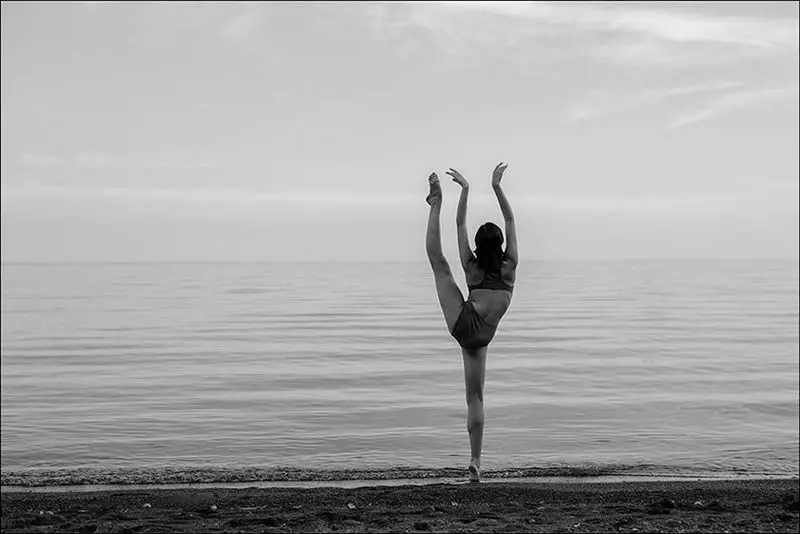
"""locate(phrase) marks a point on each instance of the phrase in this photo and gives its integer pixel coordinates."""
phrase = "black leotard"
(471, 330)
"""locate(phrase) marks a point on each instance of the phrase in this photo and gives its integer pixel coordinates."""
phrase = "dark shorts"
(471, 330)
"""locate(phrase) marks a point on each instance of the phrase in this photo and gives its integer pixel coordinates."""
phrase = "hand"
(457, 178)
(497, 175)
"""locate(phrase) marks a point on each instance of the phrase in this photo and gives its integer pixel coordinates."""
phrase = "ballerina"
(490, 273)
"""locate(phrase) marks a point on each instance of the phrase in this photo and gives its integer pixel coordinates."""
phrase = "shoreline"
(384, 482)
(171, 475)
(754, 505)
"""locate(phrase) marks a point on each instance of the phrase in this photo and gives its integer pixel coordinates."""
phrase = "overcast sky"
(300, 131)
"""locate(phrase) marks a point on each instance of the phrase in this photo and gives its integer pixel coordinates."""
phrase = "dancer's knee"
(475, 398)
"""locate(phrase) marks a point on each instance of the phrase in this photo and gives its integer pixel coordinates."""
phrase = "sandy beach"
(683, 506)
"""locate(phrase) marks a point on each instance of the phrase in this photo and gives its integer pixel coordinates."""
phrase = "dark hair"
(489, 247)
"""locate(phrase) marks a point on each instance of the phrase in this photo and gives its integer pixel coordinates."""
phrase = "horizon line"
(283, 262)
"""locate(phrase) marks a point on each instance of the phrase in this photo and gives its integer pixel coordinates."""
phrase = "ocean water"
(683, 365)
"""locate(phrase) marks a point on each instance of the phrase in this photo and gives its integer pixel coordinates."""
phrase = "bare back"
(491, 304)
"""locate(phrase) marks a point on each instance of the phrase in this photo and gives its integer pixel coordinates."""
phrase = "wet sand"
(661, 506)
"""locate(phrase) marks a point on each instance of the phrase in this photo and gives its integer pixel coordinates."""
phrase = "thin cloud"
(731, 102)
(601, 103)
(101, 160)
(41, 161)
(633, 51)
(95, 160)
(653, 23)
(669, 203)
(674, 202)
(613, 33)
(211, 195)
(747, 31)
(231, 22)
(241, 198)
(185, 160)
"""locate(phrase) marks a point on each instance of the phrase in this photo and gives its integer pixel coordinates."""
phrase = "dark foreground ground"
(687, 506)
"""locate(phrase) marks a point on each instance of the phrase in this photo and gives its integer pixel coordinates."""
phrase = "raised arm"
(464, 251)
(508, 215)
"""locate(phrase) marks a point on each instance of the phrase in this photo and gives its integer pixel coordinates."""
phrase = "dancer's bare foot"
(435, 195)
(474, 470)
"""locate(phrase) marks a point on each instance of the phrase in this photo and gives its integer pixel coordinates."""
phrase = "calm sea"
(685, 365)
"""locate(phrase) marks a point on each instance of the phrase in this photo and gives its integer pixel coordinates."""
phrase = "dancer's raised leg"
(450, 296)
